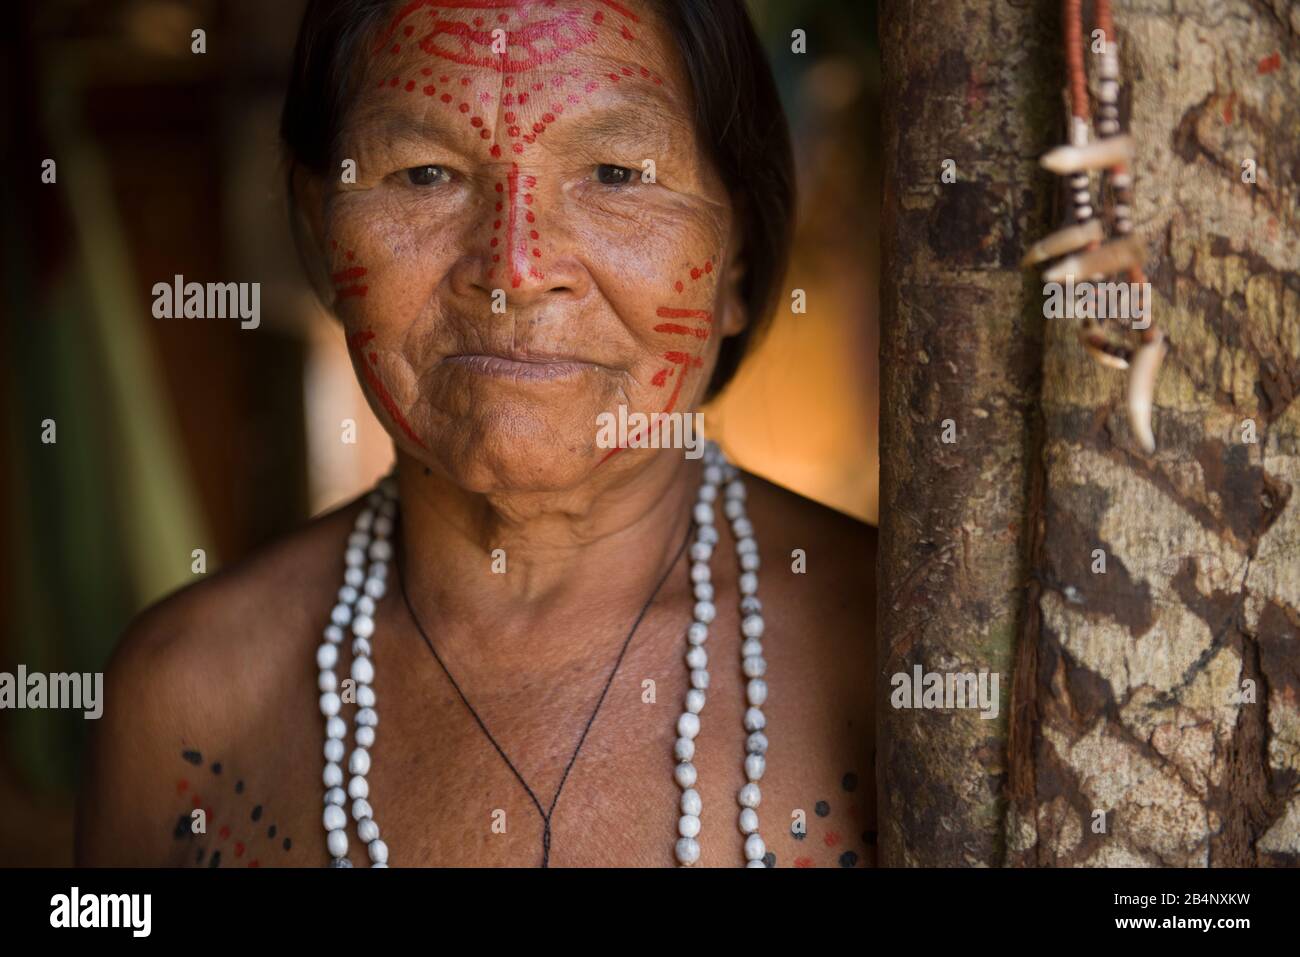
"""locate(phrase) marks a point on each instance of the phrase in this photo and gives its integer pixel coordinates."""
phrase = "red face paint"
(668, 312)
(355, 343)
(345, 280)
(536, 35)
(685, 360)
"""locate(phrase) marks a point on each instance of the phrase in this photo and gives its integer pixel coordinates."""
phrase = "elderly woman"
(532, 216)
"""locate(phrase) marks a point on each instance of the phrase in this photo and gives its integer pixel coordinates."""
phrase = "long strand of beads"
(697, 660)
(718, 471)
(752, 664)
(356, 608)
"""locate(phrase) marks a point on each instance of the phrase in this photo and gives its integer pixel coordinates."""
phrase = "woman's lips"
(530, 369)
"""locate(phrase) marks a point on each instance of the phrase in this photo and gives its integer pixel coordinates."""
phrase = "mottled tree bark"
(1154, 712)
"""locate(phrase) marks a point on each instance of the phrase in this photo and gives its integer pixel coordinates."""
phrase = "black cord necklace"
(545, 814)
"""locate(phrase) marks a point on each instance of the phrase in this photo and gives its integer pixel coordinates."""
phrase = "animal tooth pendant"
(1089, 254)
(1120, 255)
(1068, 240)
(1143, 370)
(1097, 155)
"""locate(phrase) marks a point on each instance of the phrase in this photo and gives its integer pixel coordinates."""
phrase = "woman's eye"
(608, 175)
(426, 175)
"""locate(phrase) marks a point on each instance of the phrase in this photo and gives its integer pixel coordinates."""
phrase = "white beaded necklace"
(370, 539)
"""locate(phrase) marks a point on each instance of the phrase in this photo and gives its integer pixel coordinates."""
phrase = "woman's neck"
(506, 564)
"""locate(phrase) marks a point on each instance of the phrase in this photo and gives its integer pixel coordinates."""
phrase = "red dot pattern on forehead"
(536, 33)
(461, 32)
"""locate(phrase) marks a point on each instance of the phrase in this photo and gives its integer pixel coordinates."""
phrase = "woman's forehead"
(526, 49)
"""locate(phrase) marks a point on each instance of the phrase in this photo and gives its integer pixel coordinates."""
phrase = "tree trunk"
(1150, 711)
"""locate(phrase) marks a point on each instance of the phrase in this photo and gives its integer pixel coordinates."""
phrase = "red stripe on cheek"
(675, 329)
(667, 312)
(355, 343)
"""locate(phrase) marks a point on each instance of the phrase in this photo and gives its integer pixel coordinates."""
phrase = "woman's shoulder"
(832, 550)
(231, 610)
(206, 664)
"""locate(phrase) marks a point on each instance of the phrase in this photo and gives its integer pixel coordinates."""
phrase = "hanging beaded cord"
(1081, 242)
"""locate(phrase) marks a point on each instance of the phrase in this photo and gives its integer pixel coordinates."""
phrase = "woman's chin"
(522, 453)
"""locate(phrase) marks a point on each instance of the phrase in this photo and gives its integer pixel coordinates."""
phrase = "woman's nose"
(529, 252)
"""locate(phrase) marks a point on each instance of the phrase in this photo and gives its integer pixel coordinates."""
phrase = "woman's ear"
(309, 227)
(734, 317)
(308, 200)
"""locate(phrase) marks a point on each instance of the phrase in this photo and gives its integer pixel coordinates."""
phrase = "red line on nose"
(516, 264)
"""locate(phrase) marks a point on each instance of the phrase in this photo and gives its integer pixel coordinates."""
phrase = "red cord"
(1073, 14)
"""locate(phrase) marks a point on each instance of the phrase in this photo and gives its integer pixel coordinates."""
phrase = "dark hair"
(738, 118)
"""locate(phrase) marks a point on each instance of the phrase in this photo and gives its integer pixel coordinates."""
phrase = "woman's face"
(508, 265)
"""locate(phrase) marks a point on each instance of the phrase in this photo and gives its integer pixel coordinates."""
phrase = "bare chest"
(571, 766)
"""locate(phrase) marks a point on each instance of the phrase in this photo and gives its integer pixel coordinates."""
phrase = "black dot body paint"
(193, 757)
(822, 809)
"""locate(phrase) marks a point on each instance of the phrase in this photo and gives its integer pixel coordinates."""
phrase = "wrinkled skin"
(583, 250)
